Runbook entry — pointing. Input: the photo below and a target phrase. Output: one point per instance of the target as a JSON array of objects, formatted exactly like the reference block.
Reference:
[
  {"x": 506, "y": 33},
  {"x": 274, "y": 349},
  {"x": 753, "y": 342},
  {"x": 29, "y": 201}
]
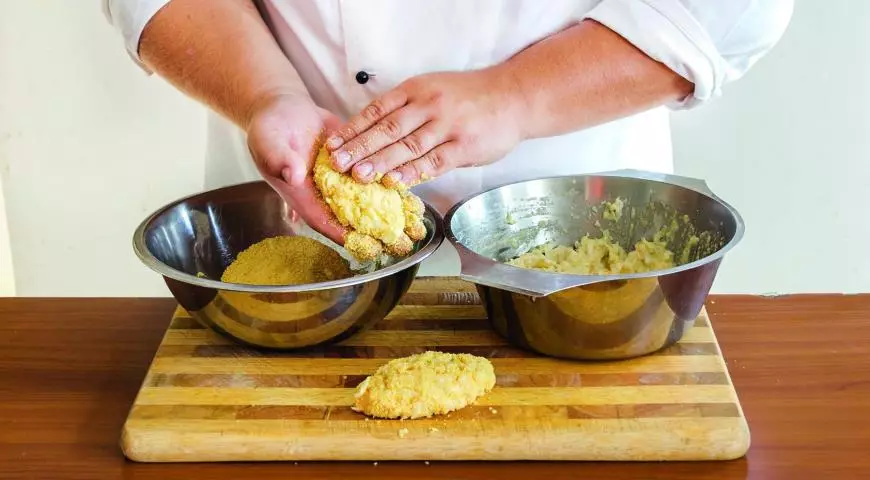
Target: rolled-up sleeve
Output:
[
  {"x": 708, "y": 42},
  {"x": 129, "y": 17}
]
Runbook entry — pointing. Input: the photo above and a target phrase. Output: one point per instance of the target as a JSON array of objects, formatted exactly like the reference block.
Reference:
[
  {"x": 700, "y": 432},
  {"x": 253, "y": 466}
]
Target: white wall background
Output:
[
  {"x": 89, "y": 145},
  {"x": 789, "y": 146},
  {"x": 7, "y": 273}
]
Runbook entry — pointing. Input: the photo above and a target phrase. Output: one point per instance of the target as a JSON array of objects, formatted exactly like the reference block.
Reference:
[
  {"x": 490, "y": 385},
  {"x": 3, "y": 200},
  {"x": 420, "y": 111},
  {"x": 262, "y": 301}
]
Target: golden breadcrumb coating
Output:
[
  {"x": 424, "y": 384},
  {"x": 378, "y": 216}
]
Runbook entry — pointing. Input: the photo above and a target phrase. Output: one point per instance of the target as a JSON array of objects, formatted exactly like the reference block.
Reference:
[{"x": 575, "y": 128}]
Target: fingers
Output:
[
  {"x": 434, "y": 163},
  {"x": 410, "y": 147},
  {"x": 393, "y": 129},
  {"x": 372, "y": 114}
]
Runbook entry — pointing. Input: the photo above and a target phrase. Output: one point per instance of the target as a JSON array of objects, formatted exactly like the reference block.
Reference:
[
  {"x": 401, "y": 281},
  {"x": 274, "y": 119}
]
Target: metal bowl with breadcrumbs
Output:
[{"x": 192, "y": 241}]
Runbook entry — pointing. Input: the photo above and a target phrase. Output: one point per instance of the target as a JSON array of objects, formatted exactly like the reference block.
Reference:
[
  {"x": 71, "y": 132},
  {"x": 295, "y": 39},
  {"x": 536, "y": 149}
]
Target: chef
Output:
[{"x": 450, "y": 96}]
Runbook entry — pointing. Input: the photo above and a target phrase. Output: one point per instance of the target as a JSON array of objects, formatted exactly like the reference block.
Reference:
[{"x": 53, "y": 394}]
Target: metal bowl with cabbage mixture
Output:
[{"x": 516, "y": 243}]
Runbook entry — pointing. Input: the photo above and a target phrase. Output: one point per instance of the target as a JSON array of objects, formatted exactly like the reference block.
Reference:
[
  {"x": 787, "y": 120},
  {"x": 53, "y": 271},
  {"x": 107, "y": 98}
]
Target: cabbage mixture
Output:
[{"x": 597, "y": 256}]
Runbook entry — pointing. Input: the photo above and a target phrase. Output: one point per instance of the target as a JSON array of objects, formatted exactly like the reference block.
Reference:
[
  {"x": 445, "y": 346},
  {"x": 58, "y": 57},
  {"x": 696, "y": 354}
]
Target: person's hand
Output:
[
  {"x": 284, "y": 134},
  {"x": 429, "y": 125}
]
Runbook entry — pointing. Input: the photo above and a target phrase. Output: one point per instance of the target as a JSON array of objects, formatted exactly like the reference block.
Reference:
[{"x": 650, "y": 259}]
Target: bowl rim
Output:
[
  {"x": 152, "y": 262},
  {"x": 695, "y": 185}
]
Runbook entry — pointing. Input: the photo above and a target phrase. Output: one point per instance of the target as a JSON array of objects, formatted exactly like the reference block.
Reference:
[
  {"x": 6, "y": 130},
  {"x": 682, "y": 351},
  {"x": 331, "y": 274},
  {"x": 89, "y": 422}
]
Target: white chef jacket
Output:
[{"x": 709, "y": 42}]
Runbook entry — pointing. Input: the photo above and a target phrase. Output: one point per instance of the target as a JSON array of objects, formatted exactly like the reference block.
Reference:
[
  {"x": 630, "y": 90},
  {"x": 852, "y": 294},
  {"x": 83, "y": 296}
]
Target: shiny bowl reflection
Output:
[{"x": 191, "y": 242}]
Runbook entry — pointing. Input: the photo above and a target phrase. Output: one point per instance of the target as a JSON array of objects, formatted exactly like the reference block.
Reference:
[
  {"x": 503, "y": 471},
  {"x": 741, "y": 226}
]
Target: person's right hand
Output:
[{"x": 284, "y": 134}]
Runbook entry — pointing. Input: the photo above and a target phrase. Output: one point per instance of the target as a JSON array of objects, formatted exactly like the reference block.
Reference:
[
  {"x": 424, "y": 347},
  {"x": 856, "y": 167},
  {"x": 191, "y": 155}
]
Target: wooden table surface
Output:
[{"x": 69, "y": 369}]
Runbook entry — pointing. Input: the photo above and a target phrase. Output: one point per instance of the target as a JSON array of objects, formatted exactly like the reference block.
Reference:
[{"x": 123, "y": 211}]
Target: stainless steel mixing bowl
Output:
[
  {"x": 587, "y": 316},
  {"x": 202, "y": 234}
]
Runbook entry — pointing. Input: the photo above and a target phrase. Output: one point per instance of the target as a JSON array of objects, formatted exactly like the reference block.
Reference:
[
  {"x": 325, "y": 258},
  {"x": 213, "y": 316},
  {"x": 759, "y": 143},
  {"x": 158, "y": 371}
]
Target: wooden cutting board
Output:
[{"x": 206, "y": 399}]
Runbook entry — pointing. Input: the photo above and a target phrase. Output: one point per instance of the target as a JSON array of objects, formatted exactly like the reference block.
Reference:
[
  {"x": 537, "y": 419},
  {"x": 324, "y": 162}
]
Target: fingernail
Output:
[
  {"x": 363, "y": 169},
  {"x": 342, "y": 158},
  {"x": 394, "y": 177},
  {"x": 333, "y": 142}
]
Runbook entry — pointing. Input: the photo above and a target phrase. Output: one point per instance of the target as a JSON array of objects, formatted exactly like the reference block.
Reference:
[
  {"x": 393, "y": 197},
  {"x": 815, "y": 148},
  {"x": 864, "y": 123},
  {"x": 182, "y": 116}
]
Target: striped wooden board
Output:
[{"x": 207, "y": 399}]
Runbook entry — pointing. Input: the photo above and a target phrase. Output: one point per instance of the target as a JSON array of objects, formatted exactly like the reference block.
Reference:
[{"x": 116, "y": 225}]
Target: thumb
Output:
[{"x": 294, "y": 172}]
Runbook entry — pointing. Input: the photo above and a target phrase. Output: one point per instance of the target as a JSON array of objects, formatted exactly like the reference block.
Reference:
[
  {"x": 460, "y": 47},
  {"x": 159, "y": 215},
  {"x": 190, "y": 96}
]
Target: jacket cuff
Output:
[{"x": 669, "y": 34}]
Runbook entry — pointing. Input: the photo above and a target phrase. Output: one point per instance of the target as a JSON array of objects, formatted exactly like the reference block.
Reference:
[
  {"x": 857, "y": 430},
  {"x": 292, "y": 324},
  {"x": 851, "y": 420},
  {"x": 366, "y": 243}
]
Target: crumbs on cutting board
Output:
[{"x": 403, "y": 432}]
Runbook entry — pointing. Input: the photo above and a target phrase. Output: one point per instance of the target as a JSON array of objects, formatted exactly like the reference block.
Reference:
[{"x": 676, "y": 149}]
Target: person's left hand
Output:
[{"x": 429, "y": 125}]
